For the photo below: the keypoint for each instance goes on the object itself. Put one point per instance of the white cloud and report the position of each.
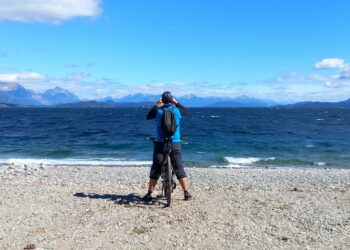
(7, 69)
(94, 89)
(180, 89)
(289, 87)
(331, 63)
(22, 76)
(343, 75)
(70, 65)
(328, 84)
(76, 83)
(293, 77)
(79, 75)
(47, 11)
(313, 87)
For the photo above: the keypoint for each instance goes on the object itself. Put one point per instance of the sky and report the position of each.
(283, 50)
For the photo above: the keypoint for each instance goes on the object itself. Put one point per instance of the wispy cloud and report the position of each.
(340, 65)
(293, 77)
(22, 76)
(181, 88)
(344, 75)
(76, 82)
(290, 87)
(318, 86)
(7, 69)
(84, 86)
(79, 75)
(331, 63)
(70, 65)
(47, 11)
(90, 64)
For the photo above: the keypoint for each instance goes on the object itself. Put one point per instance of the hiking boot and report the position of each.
(147, 197)
(187, 196)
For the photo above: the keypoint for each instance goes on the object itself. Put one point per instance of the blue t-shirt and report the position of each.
(176, 137)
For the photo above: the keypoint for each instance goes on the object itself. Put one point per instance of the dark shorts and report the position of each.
(158, 160)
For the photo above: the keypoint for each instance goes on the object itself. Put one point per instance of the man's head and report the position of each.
(167, 97)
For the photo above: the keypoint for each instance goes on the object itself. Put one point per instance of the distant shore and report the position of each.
(101, 208)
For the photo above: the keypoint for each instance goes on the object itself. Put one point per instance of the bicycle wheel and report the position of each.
(168, 183)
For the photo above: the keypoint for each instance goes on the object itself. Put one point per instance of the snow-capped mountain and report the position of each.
(13, 93)
(243, 101)
(58, 95)
(132, 98)
(196, 101)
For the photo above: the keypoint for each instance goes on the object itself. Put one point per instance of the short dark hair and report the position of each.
(167, 97)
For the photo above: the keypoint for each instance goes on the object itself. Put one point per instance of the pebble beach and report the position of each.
(82, 207)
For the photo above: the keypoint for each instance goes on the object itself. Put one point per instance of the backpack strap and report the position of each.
(170, 108)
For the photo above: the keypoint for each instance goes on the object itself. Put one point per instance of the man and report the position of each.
(167, 102)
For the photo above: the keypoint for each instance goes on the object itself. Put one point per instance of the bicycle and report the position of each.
(167, 172)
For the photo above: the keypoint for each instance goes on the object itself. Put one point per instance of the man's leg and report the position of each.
(176, 160)
(184, 183)
(152, 185)
(155, 171)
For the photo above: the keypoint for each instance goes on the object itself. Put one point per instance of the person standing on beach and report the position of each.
(167, 102)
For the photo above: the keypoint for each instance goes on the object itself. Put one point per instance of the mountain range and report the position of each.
(13, 94)
(196, 101)
(341, 104)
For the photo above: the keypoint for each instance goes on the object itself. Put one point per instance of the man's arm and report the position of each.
(183, 110)
(153, 112)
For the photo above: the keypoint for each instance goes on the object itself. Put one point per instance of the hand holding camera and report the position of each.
(174, 101)
(159, 103)
(167, 98)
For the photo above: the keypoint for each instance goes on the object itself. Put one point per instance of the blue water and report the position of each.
(214, 137)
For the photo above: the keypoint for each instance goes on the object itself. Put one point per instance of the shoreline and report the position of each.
(94, 207)
(146, 164)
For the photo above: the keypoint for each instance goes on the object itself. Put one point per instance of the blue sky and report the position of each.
(281, 50)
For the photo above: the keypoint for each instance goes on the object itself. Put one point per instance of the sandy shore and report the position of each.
(100, 208)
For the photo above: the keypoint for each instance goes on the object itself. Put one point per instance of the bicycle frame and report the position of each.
(167, 171)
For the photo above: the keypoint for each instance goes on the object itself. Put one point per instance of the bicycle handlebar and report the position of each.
(153, 139)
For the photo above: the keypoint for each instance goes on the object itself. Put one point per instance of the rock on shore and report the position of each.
(66, 207)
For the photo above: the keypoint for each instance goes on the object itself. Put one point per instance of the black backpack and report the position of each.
(168, 123)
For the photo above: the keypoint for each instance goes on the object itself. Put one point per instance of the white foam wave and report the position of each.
(88, 162)
(229, 166)
(242, 162)
(320, 163)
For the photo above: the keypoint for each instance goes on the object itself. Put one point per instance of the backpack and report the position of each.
(168, 123)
